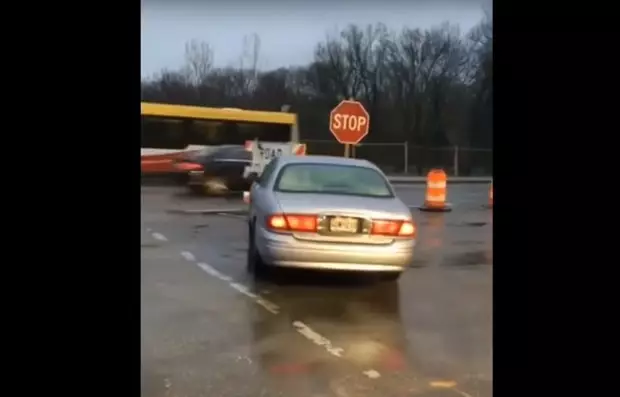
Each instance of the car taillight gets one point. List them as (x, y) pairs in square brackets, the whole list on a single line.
[(393, 228), (292, 222), (188, 166)]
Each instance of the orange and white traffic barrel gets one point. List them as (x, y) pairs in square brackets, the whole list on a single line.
[(436, 192)]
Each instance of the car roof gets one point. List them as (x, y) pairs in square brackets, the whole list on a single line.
[(228, 147), (227, 150), (335, 160)]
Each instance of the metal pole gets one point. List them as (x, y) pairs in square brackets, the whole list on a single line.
[(294, 137), (456, 161), (406, 157), (347, 149)]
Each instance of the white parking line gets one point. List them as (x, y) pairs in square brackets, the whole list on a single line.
[(188, 256), (213, 272), (243, 289), (271, 307), (259, 300), (159, 236), (318, 339), (322, 341), (372, 374), (299, 326)]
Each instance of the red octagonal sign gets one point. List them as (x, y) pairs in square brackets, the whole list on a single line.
[(349, 122)]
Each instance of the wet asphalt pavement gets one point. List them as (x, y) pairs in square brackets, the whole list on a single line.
[(209, 330)]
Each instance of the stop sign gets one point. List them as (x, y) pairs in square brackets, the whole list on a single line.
[(349, 122)]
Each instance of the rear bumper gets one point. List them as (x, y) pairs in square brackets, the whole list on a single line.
[(286, 251)]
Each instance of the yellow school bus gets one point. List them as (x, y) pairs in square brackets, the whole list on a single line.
[(171, 131)]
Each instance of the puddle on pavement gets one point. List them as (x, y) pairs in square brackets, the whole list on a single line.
[(455, 240)]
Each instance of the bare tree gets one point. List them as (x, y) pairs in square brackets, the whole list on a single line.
[(481, 125), (432, 88), (271, 89), (352, 65), (334, 72), (198, 61), (246, 78), (366, 52)]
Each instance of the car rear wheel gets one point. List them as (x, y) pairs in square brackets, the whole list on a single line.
[(197, 189), (215, 186), (255, 264)]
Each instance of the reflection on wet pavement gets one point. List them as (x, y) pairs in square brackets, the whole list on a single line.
[(429, 335), (363, 326), (457, 238)]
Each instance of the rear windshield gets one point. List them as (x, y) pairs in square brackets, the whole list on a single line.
[(332, 179)]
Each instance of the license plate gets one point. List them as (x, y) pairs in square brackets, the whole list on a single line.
[(339, 224), (196, 173)]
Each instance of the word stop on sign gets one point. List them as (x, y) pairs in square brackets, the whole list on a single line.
[(349, 122)]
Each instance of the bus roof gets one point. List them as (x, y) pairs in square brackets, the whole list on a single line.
[(219, 114)]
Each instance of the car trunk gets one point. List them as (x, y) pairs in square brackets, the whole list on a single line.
[(340, 214)]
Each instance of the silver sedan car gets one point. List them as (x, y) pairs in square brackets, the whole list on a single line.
[(327, 213)]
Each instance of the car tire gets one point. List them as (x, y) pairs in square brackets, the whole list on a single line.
[(196, 189), (391, 277), (255, 264), (215, 187)]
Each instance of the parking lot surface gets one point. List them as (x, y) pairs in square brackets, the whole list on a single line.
[(208, 329)]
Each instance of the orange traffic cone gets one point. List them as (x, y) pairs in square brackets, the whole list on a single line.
[(491, 196), (436, 187)]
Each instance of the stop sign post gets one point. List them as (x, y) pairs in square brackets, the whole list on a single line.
[(349, 122)]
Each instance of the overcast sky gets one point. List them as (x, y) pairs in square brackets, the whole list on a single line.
[(288, 29)]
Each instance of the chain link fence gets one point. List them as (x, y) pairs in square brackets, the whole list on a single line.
[(403, 158)]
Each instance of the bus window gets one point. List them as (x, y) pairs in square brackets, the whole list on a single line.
[(207, 132), (158, 133), (168, 133)]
